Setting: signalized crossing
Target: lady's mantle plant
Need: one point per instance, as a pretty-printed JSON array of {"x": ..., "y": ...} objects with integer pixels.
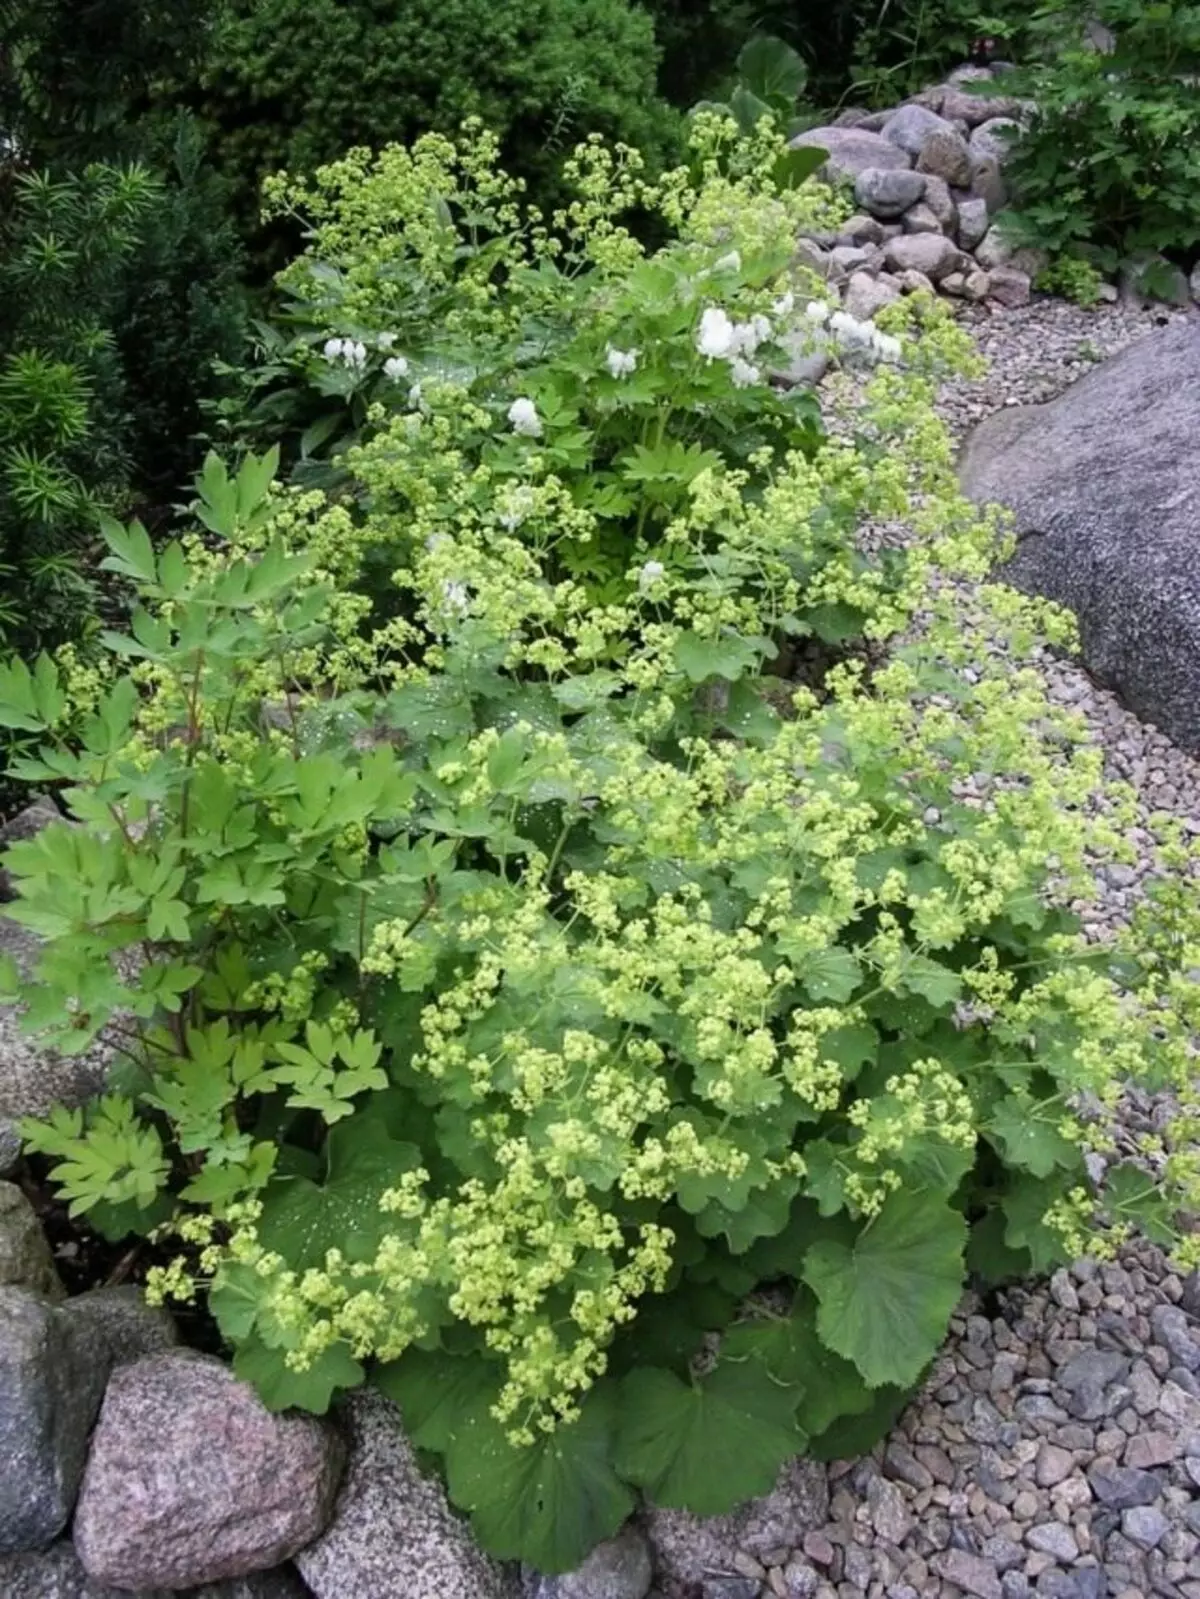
[{"x": 514, "y": 979}]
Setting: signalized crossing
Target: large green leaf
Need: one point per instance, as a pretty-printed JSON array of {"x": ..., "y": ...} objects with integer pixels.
[
  {"x": 281, "y": 1388},
  {"x": 549, "y": 1503},
  {"x": 857, "y": 1433},
  {"x": 438, "y": 1394},
  {"x": 1027, "y": 1139},
  {"x": 772, "y": 70},
  {"x": 705, "y": 1446},
  {"x": 887, "y": 1298},
  {"x": 789, "y": 1347},
  {"x": 303, "y": 1219}
]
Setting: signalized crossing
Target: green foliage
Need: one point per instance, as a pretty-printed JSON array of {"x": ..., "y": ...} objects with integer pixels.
[
  {"x": 902, "y": 48},
  {"x": 1109, "y": 168},
  {"x": 1073, "y": 278},
  {"x": 289, "y": 88},
  {"x": 770, "y": 80},
  {"x": 67, "y": 244},
  {"x": 515, "y": 978}
]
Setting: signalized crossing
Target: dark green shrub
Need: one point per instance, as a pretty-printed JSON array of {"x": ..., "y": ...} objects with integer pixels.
[
  {"x": 1110, "y": 166},
  {"x": 293, "y": 87},
  {"x": 66, "y": 245}
]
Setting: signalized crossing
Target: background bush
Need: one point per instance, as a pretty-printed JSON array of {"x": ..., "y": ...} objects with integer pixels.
[
  {"x": 1110, "y": 165},
  {"x": 289, "y": 86}
]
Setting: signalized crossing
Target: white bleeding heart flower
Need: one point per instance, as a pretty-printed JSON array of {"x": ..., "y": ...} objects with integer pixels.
[{"x": 522, "y": 413}]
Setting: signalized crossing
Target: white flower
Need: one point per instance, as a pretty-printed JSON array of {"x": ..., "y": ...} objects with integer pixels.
[
  {"x": 455, "y": 596},
  {"x": 886, "y": 347},
  {"x": 650, "y": 574},
  {"x": 385, "y": 341},
  {"x": 853, "y": 334},
  {"x": 354, "y": 353},
  {"x": 747, "y": 336},
  {"x": 785, "y": 304},
  {"x": 520, "y": 502},
  {"x": 621, "y": 362},
  {"x": 742, "y": 373},
  {"x": 816, "y": 311},
  {"x": 332, "y": 349},
  {"x": 415, "y": 397},
  {"x": 729, "y": 263},
  {"x": 522, "y": 413},
  {"x": 716, "y": 338},
  {"x": 395, "y": 367}
]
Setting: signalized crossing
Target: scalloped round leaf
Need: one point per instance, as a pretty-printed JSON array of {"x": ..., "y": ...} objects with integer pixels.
[
  {"x": 281, "y": 1388},
  {"x": 827, "y": 1388},
  {"x": 548, "y": 1504},
  {"x": 438, "y": 1394},
  {"x": 705, "y": 1446},
  {"x": 887, "y": 1298}
]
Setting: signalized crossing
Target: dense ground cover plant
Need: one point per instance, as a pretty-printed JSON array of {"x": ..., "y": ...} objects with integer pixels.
[
  {"x": 1108, "y": 167},
  {"x": 514, "y": 980}
]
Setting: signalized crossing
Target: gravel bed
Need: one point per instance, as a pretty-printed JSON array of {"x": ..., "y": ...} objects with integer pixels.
[{"x": 1055, "y": 1450}]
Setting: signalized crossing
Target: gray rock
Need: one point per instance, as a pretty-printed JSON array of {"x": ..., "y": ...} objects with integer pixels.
[
  {"x": 888, "y": 191},
  {"x": 987, "y": 182},
  {"x": 1105, "y": 484},
  {"x": 972, "y": 223},
  {"x": 730, "y": 1588},
  {"x": 1053, "y": 1538},
  {"x": 1173, "y": 1331},
  {"x": 968, "y": 1572},
  {"x": 1194, "y": 291},
  {"x": 1007, "y": 286},
  {"x": 1123, "y": 1487},
  {"x": 993, "y": 250},
  {"x": 930, "y": 253},
  {"x": 940, "y": 202},
  {"x": 57, "y": 1574},
  {"x": 847, "y": 258},
  {"x": 974, "y": 109},
  {"x": 865, "y": 296},
  {"x": 851, "y": 151},
  {"x": 888, "y": 1511},
  {"x": 914, "y": 282},
  {"x": 25, "y": 1260},
  {"x": 1053, "y": 1465},
  {"x": 945, "y": 154},
  {"x": 920, "y": 219},
  {"x": 52, "y": 1375},
  {"x": 393, "y": 1534},
  {"x": 619, "y": 1568},
  {"x": 32, "y": 1076},
  {"x": 125, "y": 1322},
  {"x": 1153, "y": 277},
  {"x": 25, "y": 824},
  {"x": 686, "y": 1548},
  {"x": 1144, "y": 1525},
  {"x": 912, "y": 126},
  {"x": 993, "y": 140},
  {"x": 190, "y": 1479},
  {"x": 862, "y": 229}
]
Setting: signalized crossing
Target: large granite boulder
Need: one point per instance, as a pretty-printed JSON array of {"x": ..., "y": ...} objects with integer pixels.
[
  {"x": 190, "y": 1478},
  {"x": 53, "y": 1369},
  {"x": 25, "y": 1259},
  {"x": 393, "y": 1533},
  {"x": 57, "y": 1574},
  {"x": 1104, "y": 483}
]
